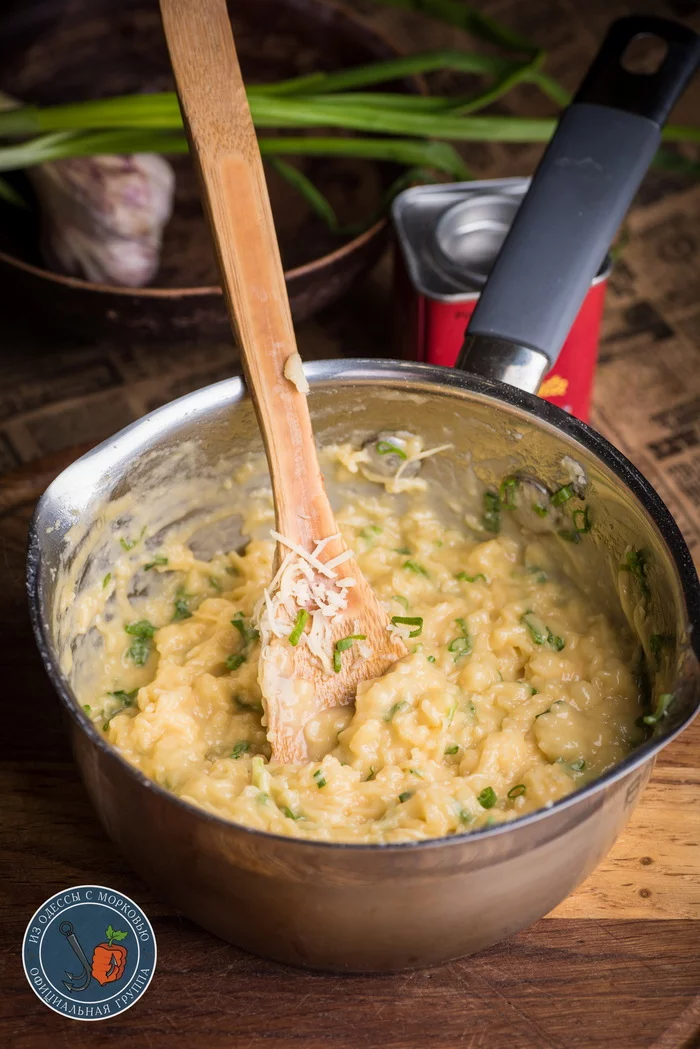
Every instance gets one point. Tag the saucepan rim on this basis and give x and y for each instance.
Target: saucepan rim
(428, 379)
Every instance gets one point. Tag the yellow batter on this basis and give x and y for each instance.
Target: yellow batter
(515, 691)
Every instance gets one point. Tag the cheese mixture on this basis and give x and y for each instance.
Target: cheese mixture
(515, 690)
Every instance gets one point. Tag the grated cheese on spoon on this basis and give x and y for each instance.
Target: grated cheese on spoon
(296, 585)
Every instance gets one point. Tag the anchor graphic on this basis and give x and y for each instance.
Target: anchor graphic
(108, 962)
(76, 981)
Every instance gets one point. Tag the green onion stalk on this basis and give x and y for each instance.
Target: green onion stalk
(390, 128)
(339, 114)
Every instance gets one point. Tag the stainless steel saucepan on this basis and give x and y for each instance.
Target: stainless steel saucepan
(381, 907)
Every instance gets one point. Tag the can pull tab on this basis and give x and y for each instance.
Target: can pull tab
(579, 194)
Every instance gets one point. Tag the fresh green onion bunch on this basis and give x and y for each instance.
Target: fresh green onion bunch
(413, 131)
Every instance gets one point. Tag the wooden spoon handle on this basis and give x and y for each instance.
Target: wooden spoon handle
(225, 149)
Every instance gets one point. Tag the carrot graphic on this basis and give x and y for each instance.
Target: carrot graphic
(108, 959)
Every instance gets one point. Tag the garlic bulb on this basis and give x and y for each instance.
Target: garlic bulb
(103, 217)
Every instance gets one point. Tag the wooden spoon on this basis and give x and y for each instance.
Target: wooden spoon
(224, 145)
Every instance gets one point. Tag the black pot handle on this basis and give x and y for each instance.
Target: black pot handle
(579, 194)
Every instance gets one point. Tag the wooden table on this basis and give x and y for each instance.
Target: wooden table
(617, 965)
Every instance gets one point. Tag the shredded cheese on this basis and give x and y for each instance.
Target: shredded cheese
(397, 482)
(417, 457)
(304, 581)
(340, 559)
(297, 585)
(304, 554)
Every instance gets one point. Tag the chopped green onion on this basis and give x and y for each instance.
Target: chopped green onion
(541, 576)
(214, 582)
(372, 774)
(299, 624)
(570, 535)
(406, 795)
(346, 642)
(413, 566)
(342, 646)
(387, 448)
(461, 645)
(182, 607)
(562, 495)
(517, 791)
(431, 659)
(125, 698)
(664, 702)
(636, 564)
(487, 798)
(536, 630)
(87, 708)
(394, 709)
(243, 704)
(319, 777)
(466, 816)
(401, 600)
(506, 492)
(242, 747)
(464, 578)
(142, 628)
(105, 581)
(234, 662)
(491, 519)
(540, 510)
(289, 814)
(157, 560)
(571, 766)
(370, 532)
(415, 621)
(129, 544)
(140, 649)
(416, 772)
(582, 522)
(452, 748)
(248, 633)
(534, 691)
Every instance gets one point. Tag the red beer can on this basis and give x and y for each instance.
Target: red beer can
(447, 239)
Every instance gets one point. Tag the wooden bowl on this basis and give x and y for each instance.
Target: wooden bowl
(90, 48)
